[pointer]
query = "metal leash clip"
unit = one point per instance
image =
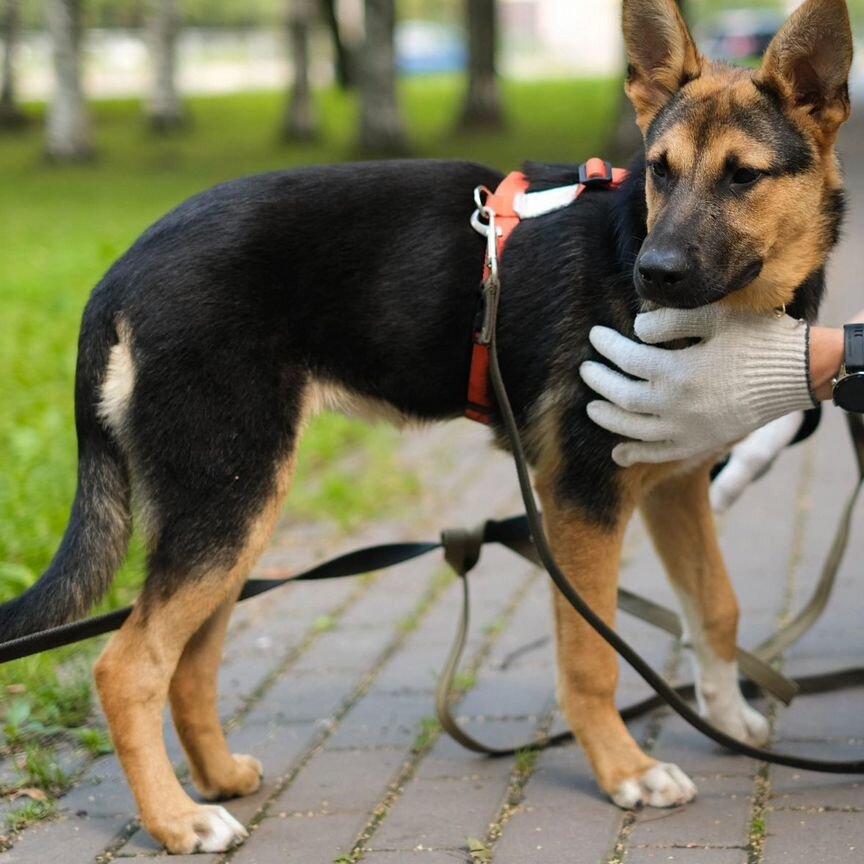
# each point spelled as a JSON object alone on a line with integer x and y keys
{"x": 492, "y": 282}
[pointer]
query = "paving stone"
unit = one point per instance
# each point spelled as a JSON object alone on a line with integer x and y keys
{"x": 827, "y": 838}
{"x": 562, "y": 817}
{"x": 68, "y": 840}
{"x": 826, "y": 715}
{"x": 419, "y": 856}
{"x": 301, "y": 839}
{"x": 383, "y": 720}
{"x": 719, "y": 816}
{"x": 307, "y": 696}
{"x": 102, "y": 792}
{"x": 512, "y": 693}
{"x": 439, "y": 813}
{"x": 501, "y": 733}
{"x": 416, "y": 667}
{"x": 792, "y": 788}
{"x": 341, "y": 780}
{"x": 641, "y": 855}
{"x": 346, "y": 650}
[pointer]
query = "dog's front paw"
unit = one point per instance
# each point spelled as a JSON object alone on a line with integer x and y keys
{"x": 207, "y": 828}
{"x": 244, "y": 778}
{"x": 662, "y": 785}
{"x": 741, "y": 722}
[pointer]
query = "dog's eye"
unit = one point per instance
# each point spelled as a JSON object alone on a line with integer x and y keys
{"x": 659, "y": 168}
{"x": 745, "y": 176}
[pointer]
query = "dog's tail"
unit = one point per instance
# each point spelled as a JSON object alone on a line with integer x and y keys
{"x": 100, "y": 524}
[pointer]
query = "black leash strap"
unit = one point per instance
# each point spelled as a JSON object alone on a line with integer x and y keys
{"x": 512, "y": 532}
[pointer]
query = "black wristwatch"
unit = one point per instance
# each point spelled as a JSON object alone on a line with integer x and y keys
{"x": 849, "y": 383}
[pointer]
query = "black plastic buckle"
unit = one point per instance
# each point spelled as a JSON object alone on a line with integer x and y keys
{"x": 595, "y": 172}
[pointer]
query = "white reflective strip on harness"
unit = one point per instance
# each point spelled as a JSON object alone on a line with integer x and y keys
{"x": 527, "y": 205}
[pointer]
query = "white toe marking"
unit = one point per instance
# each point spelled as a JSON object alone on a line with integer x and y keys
{"x": 663, "y": 785}
{"x": 219, "y": 830}
{"x": 628, "y": 796}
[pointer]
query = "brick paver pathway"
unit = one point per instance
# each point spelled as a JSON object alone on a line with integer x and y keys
{"x": 332, "y": 686}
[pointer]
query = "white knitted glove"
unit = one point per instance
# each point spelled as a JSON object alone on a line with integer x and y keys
{"x": 745, "y": 371}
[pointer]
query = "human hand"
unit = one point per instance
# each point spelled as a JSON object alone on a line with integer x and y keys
{"x": 745, "y": 370}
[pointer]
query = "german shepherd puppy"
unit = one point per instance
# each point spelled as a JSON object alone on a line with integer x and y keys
{"x": 206, "y": 347}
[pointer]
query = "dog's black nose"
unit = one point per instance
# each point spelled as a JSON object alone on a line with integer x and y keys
{"x": 661, "y": 270}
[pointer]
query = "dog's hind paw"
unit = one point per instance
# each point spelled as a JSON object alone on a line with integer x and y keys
{"x": 662, "y": 785}
{"x": 207, "y": 828}
{"x": 742, "y": 723}
{"x": 244, "y": 778}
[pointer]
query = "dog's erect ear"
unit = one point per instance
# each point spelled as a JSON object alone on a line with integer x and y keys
{"x": 661, "y": 53}
{"x": 808, "y": 63}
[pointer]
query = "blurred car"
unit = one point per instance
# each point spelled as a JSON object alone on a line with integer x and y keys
{"x": 429, "y": 48}
{"x": 740, "y": 36}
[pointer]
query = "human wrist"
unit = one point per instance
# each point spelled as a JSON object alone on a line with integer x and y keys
{"x": 826, "y": 358}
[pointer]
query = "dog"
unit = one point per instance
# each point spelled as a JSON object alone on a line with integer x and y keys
{"x": 206, "y": 347}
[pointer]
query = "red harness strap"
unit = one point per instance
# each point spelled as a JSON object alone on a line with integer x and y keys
{"x": 479, "y": 405}
{"x": 594, "y": 172}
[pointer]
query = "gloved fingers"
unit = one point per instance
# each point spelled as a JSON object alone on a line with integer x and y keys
{"x": 667, "y": 324}
{"x": 643, "y": 361}
{"x": 626, "y": 393}
{"x": 640, "y": 427}
{"x": 650, "y": 452}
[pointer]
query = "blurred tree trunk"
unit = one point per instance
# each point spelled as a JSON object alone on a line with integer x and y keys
{"x": 482, "y": 108}
{"x": 67, "y": 134}
{"x": 346, "y": 76}
{"x": 10, "y": 114}
{"x": 626, "y": 139}
{"x": 299, "y": 123}
{"x": 382, "y": 129}
{"x": 165, "y": 108}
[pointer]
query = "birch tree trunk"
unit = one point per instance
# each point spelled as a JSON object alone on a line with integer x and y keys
{"x": 10, "y": 115}
{"x": 382, "y": 128}
{"x": 300, "y": 122}
{"x": 164, "y": 107}
{"x": 482, "y": 108}
{"x": 67, "y": 132}
{"x": 345, "y": 60}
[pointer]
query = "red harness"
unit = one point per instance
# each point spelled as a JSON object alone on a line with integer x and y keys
{"x": 510, "y": 203}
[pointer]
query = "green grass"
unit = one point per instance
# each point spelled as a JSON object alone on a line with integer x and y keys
{"x": 61, "y": 227}
{"x": 29, "y": 814}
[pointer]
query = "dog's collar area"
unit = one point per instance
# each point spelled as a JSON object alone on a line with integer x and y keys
{"x": 498, "y": 213}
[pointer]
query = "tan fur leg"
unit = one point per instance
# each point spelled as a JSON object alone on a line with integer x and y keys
{"x": 134, "y": 675}
{"x": 589, "y": 555}
{"x": 216, "y": 772}
{"x": 678, "y": 515}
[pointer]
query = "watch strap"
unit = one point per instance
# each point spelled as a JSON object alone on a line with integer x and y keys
{"x": 853, "y": 339}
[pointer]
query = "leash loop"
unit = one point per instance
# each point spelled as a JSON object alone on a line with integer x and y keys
{"x": 462, "y": 547}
